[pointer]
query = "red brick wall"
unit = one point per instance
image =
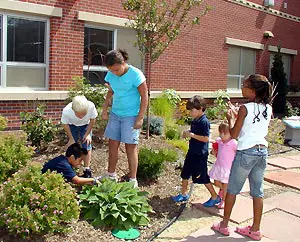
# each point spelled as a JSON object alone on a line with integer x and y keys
{"x": 11, "y": 110}
{"x": 198, "y": 60}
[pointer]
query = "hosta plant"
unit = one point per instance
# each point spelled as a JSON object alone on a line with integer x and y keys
{"x": 116, "y": 205}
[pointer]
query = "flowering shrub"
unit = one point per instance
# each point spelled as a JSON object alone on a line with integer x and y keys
{"x": 32, "y": 202}
{"x": 3, "y": 123}
{"x": 14, "y": 154}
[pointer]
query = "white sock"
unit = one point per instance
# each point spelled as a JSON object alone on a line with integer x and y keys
{"x": 111, "y": 174}
{"x": 86, "y": 168}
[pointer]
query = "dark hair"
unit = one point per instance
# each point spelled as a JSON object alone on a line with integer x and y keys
{"x": 116, "y": 57}
{"x": 196, "y": 102}
{"x": 263, "y": 92}
{"x": 224, "y": 127}
{"x": 76, "y": 150}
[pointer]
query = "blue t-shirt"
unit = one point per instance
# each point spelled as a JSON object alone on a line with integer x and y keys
{"x": 199, "y": 126}
{"x": 126, "y": 98}
{"x": 61, "y": 165}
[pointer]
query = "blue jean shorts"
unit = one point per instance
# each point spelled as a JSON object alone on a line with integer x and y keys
{"x": 250, "y": 163}
{"x": 121, "y": 129}
{"x": 78, "y": 132}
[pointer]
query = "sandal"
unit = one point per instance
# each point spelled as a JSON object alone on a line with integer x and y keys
{"x": 221, "y": 205}
{"x": 224, "y": 231}
{"x": 255, "y": 235}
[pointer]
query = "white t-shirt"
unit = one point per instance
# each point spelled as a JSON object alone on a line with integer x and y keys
{"x": 254, "y": 133}
{"x": 69, "y": 117}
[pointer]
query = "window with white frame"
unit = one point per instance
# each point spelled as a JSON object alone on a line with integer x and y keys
{"x": 24, "y": 57}
{"x": 241, "y": 63}
{"x": 97, "y": 42}
{"x": 286, "y": 60}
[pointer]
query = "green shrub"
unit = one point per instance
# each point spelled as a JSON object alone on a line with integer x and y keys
{"x": 151, "y": 163}
{"x": 38, "y": 128}
{"x": 14, "y": 154}
{"x": 219, "y": 110}
{"x": 172, "y": 96}
{"x": 3, "y": 123}
{"x": 116, "y": 205}
{"x": 33, "y": 203}
{"x": 172, "y": 132}
{"x": 180, "y": 144}
{"x": 156, "y": 125}
{"x": 95, "y": 94}
{"x": 291, "y": 111}
{"x": 169, "y": 155}
{"x": 276, "y": 132}
{"x": 161, "y": 107}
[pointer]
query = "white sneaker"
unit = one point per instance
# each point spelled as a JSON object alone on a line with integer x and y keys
{"x": 113, "y": 178}
{"x": 134, "y": 181}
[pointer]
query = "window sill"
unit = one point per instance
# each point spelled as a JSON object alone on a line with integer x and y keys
{"x": 20, "y": 95}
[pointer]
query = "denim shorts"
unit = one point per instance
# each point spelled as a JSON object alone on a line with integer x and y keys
{"x": 250, "y": 163}
{"x": 121, "y": 129}
{"x": 78, "y": 132}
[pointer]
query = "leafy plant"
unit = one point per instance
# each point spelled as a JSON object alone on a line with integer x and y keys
{"x": 180, "y": 144}
{"x": 291, "y": 111}
{"x": 151, "y": 163}
{"x": 185, "y": 117}
{"x": 169, "y": 155}
{"x": 172, "y": 96}
{"x": 218, "y": 111}
{"x": 38, "y": 128}
{"x": 172, "y": 132}
{"x": 14, "y": 154}
{"x": 116, "y": 205}
{"x": 33, "y": 203}
{"x": 95, "y": 94}
{"x": 276, "y": 132}
{"x": 156, "y": 125}
{"x": 162, "y": 107}
{"x": 3, "y": 123}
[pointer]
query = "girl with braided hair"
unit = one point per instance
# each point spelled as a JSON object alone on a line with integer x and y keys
{"x": 250, "y": 126}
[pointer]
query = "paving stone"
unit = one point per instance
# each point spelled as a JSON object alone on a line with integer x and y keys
{"x": 294, "y": 157}
{"x": 242, "y": 210}
{"x": 287, "y": 201}
{"x": 281, "y": 226}
{"x": 208, "y": 235}
{"x": 272, "y": 168}
{"x": 284, "y": 162}
{"x": 246, "y": 187}
{"x": 286, "y": 178}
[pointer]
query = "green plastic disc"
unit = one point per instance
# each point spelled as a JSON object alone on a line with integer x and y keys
{"x": 126, "y": 234}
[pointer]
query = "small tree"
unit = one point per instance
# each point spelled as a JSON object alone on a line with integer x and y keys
{"x": 158, "y": 23}
{"x": 279, "y": 80}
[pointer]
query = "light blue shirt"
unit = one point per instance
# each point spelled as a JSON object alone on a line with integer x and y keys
{"x": 126, "y": 98}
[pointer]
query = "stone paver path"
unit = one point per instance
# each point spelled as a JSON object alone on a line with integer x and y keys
{"x": 286, "y": 178}
{"x": 285, "y": 162}
{"x": 208, "y": 235}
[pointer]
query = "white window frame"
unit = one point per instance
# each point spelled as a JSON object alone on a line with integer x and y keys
{"x": 115, "y": 32}
{"x": 4, "y": 64}
{"x": 288, "y": 73}
{"x": 241, "y": 77}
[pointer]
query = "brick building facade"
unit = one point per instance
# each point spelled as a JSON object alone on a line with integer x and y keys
{"x": 44, "y": 43}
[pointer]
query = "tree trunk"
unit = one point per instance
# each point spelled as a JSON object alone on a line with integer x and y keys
{"x": 148, "y": 107}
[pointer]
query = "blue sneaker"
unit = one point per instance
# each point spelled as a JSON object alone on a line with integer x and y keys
{"x": 180, "y": 198}
{"x": 211, "y": 202}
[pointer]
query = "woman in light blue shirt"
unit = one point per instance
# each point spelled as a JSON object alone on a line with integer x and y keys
{"x": 127, "y": 85}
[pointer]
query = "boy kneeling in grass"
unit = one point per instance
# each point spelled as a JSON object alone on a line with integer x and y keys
{"x": 64, "y": 164}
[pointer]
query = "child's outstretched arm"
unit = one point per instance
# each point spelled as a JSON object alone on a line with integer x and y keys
{"x": 236, "y": 126}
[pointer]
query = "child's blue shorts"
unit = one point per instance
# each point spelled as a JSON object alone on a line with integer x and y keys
{"x": 78, "y": 132}
{"x": 250, "y": 163}
{"x": 195, "y": 166}
{"x": 121, "y": 129}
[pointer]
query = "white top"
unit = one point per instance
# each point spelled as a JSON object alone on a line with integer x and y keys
{"x": 254, "y": 133}
{"x": 69, "y": 117}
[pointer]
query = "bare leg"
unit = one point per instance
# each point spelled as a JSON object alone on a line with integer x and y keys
{"x": 132, "y": 156}
{"x": 184, "y": 187}
{"x": 113, "y": 155}
{"x": 257, "y": 213}
{"x": 211, "y": 190}
{"x": 87, "y": 159}
{"x": 229, "y": 203}
{"x": 218, "y": 184}
{"x": 224, "y": 188}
